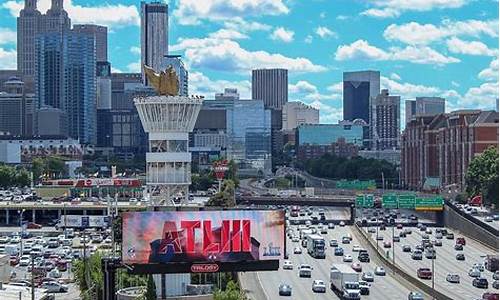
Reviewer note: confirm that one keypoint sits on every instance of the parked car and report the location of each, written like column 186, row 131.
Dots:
column 54, row 287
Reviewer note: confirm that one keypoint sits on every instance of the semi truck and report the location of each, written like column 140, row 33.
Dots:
column 344, row 282
column 316, row 246
column 81, row 221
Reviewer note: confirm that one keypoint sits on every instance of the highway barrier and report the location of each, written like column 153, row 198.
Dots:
column 470, row 226
column 399, row 271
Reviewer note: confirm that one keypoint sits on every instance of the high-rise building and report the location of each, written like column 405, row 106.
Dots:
column 154, row 35
column 182, row 74
column 359, row 89
column 297, row 113
column 100, row 34
column 423, row 106
column 28, row 26
column 16, row 108
column 229, row 94
column 56, row 19
column 270, row 86
column 385, row 122
column 66, row 79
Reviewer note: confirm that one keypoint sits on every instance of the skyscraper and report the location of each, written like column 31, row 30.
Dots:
column 154, row 35
column 66, row 79
column 182, row 74
column 271, row 86
column 423, row 106
column 359, row 89
column 385, row 122
column 56, row 19
column 101, row 39
column 28, row 25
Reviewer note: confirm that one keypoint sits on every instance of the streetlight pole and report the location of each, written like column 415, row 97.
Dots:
column 433, row 275
column 377, row 237
column 21, row 229
column 393, row 250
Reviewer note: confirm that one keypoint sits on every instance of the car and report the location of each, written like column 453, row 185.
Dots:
column 356, row 267
column 460, row 256
column 339, row 251
column 32, row 225
column 331, row 226
column 424, row 273
column 54, row 273
column 387, row 244
column 25, row 260
column 342, row 224
column 416, row 255
column 490, row 296
column 364, row 287
column 379, row 271
column 407, row 231
column 133, row 201
column 295, row 239
column 14, row 260
column 459, row 247
column 453, row 278
column 287, row 265
column 347, row 258
column 4, row 240
column 488, row 219
column 368, row 277
column 364, row 257
column 356, row 248
column 305, row 270
column 478, row 266
column 474, row 272
column 297, row 250
column 54, row 287
column 495, row 285
column 399, row 226
column 415, row 296
column 495, row 275
column 334, row 243
column 406, row 248
column 402, row 234
column 318, row 286
column 285, row 289
column 480, row 282
column 425, row 236
column 437, row 243
column 461, row 240
column 419, row 247
column 345, row 240
column 395, row 238
column 372, row 230
column 439, row 236
column 450, row 236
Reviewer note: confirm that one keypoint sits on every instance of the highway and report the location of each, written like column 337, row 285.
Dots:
column 444, row 263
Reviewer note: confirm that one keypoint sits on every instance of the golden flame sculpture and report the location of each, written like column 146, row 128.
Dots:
column 165, row 82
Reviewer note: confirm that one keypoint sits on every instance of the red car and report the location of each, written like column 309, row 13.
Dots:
column 32, row 225
column 424, row 273
column 460, row 241
column 14, row 260
column 490, row 296
column 356, row 267
column 62, row 265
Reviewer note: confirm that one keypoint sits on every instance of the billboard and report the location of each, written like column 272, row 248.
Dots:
column 183, row 241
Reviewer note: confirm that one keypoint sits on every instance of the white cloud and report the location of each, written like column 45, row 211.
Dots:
column 134, row 67
column 324, row 32
column 361, row 49
column 491, row 72
column 237, row 23
column 308, row 39
column 282, row 34
column 455, row 84
column 328, row 112
column 116, row 70
column 199, row 84
column 8, row 59
column 415, row 33
column 228, row 55
column 190, row 12
column 336, row 87
column 7, row 36
column 302, row 87
column 117, row 15
column 394, row 8
column 342, row 17
column 408, row 90
column 395, row 76
column 135, row 50
column 228, row 34
column 456, row 45
column 322, row 15
column 483, row 96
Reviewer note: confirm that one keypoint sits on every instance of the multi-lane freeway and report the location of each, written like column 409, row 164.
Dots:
column 445, row 262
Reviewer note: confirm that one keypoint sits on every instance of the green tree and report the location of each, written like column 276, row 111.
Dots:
column 151, row 289
column 482, row 176
column 224, row 198
column 10, row 176
column 232, row 292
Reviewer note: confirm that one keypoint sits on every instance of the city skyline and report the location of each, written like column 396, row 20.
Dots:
column 220, row 50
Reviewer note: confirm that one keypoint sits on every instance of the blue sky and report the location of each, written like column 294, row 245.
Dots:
column 445, row 48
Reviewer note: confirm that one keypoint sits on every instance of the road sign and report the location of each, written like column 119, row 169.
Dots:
column 360, row 199
column 368, row 201
column 407, row 201
column 389, row 201
column 435, row 203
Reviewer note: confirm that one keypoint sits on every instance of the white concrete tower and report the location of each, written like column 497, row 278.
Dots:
column 168, row 121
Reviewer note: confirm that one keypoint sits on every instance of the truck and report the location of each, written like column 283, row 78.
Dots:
column 491, row 263
column 344, row 282
column 81, row 221
column 316, row 246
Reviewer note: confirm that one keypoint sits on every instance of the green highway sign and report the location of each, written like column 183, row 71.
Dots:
column 365, row 201
column 389, row 201
column 435, row 203
column 368, row 201
column 407, row 201
column 360, row 199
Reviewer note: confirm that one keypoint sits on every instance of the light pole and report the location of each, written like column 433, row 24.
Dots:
column 21, row 229
column 393, row 250
column 377, row 236
column 433, row 275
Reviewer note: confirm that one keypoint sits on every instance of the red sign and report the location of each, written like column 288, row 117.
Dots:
column 205, row 268
column 220, row 168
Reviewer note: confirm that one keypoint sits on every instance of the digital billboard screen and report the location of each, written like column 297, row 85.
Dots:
column 231, row 240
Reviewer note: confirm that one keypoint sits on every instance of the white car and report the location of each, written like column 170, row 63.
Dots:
column 24, row 261
column 347, row 258
column 319, row 286
column 380, row 271
column 15, row 239
column 4, row 240
column 55, row 273
column 297, row 250
column 287, row 265
column 342, row 224
column 295, row 239
column 54, row 287
column 356, row 248
column 331, row 226
column 133, row 200
column 305, row 270
column 478, row 266
column 453, row 278
column 488, row 219
column 474, row 272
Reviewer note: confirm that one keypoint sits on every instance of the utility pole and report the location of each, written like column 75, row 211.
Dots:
column 377, row 236
column 433, row 275
column 393, row 250
column 32, row 278
column 383, row 182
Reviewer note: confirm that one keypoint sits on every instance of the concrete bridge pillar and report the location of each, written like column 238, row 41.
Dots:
column 7, row 217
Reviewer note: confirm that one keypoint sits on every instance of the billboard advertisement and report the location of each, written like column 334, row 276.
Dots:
column 204, row 240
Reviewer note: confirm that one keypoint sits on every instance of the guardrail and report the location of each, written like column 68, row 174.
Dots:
column 470, row 218
column 396, row 269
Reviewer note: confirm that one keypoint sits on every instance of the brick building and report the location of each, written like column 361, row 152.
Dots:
column 339, row 148
column 439, row 148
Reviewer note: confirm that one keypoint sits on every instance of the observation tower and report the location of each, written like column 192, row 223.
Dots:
column 168, row 119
